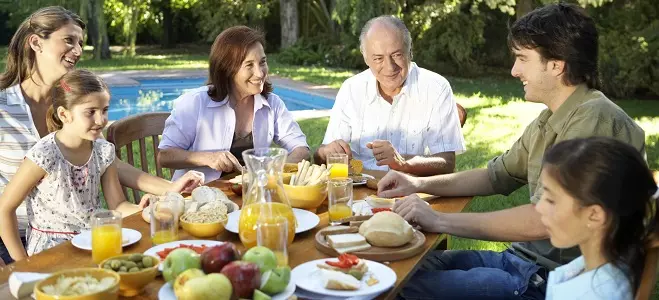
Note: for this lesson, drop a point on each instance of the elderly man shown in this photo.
(557, 68)
(394, 115)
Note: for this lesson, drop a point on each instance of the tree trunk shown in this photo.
(523, 7)
(135, 13)
(167, 22)
(289, 22)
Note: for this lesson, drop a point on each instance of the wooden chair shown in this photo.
(649, 276)
(124, 132)
(462, 114)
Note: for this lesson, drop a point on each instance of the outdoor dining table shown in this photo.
(66, 256)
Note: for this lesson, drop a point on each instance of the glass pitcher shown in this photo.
(265, 199)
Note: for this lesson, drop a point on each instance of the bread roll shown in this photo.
(387, 229)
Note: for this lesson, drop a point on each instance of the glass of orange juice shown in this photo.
(106, 235)
(164, 221)
(338, 164)
(339, 194)
(273, 234)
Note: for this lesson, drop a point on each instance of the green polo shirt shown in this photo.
(585, 113)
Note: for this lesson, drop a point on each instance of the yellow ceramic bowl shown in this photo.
(110, 293)
(133, 283)
(203, 230)
(306, 196)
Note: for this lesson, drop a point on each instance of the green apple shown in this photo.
(275, 280)
(178, 261)
(184, 277)
(262, 257)
(214, 286)
(258, 295)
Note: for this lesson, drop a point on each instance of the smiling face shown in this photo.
(59, 53)
(567, 222)
(386, 57)
(88, 118)
(250, 78)
(536, 74)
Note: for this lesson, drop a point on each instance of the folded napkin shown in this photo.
(21, 284)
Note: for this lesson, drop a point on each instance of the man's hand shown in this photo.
(386, 155)
(397, 184)
(417, 212)
(335, 147)
(223, 161)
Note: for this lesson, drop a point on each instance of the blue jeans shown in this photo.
(4, 253)
(473, 275)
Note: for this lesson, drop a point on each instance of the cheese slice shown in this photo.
(357, 248)
(21, 284)
(334, 280)
(346, 240)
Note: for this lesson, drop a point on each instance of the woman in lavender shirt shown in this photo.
(210, 126)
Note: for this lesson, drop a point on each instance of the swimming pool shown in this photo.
(153, 95)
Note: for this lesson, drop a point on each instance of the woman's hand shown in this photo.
(223, 161)
(188, 182)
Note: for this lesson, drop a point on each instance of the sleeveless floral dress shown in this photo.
(61, 204)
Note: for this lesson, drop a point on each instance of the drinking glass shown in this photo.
(338, 164)
(339, 194)
(273, 234)
(106, 235)
(164, 221)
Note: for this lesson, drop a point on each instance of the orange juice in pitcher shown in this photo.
(265, 198)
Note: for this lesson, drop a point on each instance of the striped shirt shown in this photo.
(17, 135)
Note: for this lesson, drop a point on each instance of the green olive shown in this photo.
(135, 269)
(129, 264)
(140, 265)
(123, 269)
(147, 262)
(135, 258)
(115, 264)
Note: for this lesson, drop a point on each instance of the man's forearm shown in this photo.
(428, 165)
(298, 154)
(183, 159)
(474, 182)
(517, 224)
(136, 179)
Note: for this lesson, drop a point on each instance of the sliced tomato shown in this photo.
(339, 264)
(377, 210)
(349, 258)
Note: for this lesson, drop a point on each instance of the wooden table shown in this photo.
(66, 256)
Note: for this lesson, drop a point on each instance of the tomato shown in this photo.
(377, 210)
(339, 264)
(350, 258)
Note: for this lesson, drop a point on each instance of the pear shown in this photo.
(275, 281)
(210, 287)
(184, 277)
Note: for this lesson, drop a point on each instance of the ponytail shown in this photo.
(52, 120)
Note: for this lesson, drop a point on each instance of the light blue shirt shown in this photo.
(605, 282)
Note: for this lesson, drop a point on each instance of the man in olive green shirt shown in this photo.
(559, 69)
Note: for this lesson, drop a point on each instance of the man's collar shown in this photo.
(372, 87)
(15, 95)
(557, 118)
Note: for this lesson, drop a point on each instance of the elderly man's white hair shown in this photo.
(393, 22)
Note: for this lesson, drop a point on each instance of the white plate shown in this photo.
(366, 176)
(155, 249)
(306, 220)
(307, 276)
(84, 239)
(167, 292)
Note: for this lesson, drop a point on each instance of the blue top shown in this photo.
(605, 282)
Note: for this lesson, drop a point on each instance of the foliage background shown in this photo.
(465, 38)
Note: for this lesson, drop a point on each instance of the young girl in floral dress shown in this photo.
(61, 175)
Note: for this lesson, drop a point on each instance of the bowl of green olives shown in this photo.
(135, 270)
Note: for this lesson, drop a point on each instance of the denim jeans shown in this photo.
(4, 253)
(473, 275)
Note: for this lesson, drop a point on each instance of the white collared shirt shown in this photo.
(198, 123)
(17, 135)
(421, 120)
(570, 282)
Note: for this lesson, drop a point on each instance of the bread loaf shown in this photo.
(387, 229)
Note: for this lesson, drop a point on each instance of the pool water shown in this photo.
(158, 95)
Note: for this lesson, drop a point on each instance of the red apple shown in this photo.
(213, 259)
(237, 189)
(244, 276)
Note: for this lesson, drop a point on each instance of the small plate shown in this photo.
(307, 276)
(84, 239)
(306, 220)
(166, 292)
(363, 181)
(153, 251)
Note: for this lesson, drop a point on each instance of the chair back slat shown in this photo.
(649, 276)
(135, 130)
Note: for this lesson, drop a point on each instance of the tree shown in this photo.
(523, 7)
(289, 22)
(167, 18)
(97, 29)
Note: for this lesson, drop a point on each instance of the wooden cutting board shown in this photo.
(382, 254)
